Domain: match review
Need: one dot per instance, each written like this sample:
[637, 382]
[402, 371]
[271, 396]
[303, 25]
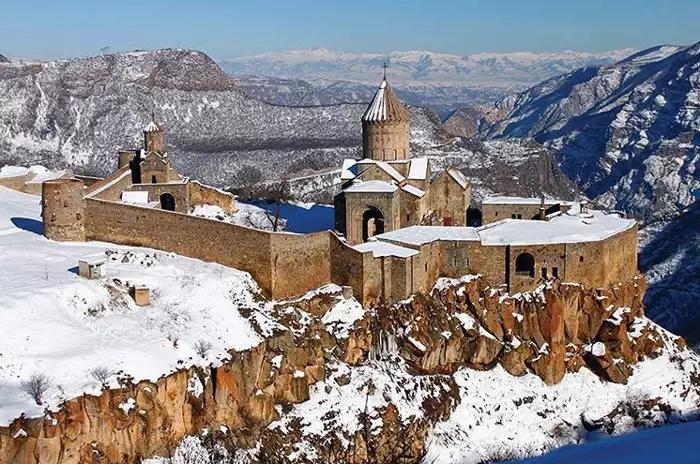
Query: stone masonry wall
[235, 246]
[179, 191]
[204, 195]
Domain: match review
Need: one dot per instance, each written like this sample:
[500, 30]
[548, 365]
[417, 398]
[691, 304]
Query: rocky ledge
[333, 382]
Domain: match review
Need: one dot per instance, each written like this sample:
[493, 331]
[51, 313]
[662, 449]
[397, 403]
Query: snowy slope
[78, 113]
[64, 326]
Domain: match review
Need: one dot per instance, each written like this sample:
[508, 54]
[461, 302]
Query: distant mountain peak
[419, 67]
[3, 59]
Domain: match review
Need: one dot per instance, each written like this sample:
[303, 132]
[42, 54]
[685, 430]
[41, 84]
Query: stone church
[388, 189]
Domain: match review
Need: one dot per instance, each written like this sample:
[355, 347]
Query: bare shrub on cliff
[202, 348]
[101, 374]
[36, 387]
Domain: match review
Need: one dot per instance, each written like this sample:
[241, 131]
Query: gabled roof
[457, 175]
[371, 186]
[418, 169]
[385, 106]
[413, 190]
[352, 168]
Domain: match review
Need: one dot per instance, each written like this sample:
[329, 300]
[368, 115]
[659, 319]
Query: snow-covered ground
[295, 217]
[55, 323]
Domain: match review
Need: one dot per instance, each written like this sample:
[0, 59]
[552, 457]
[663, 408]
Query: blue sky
[59, 29]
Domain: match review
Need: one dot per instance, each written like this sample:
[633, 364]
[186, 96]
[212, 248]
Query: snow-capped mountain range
[439, 81]
[422, 68]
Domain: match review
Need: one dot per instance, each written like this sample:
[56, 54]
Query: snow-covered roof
[349, 169]
[373, 186]
[385, 106]
[40, 173]
[418, 170]
[137, 197]
[503, 200]
[151, 127]
[420, 235]
[564, 228]
[413, 190]
[386, 167]
[381, 249]
[457, 175]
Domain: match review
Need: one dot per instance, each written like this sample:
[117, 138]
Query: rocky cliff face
[326, 386]
[627, 134]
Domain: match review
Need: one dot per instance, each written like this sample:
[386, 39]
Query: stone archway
[474, 217]
[167, 202]
[372, 223]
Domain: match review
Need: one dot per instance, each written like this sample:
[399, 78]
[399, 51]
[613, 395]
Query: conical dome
[385, 106]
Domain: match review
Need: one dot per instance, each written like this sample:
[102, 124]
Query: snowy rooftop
[151, 127]
[381, 249]
[457, 175]
[420, 235]
[41, 173]
[563, 228]
[137, 197]
[413, 190]
[372, 186]
[502, 200]
[385, 106]
[418, 169]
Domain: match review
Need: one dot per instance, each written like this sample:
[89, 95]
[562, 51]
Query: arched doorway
[167, 202]
[525, 265]
[474, 217]
[372, 223]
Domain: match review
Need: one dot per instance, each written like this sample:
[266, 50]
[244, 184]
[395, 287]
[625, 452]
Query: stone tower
[63, 210]
[153, 139]
[386, 127]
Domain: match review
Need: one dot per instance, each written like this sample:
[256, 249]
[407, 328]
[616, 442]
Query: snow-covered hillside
[78, 113]
[65, 327]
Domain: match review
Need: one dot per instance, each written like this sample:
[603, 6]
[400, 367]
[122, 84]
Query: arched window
[167, 202]
[525, 264]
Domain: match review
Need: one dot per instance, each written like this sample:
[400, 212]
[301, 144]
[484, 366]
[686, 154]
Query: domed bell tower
[153, 139]
[386, 126]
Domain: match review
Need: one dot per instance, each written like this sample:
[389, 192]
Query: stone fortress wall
[286, 265]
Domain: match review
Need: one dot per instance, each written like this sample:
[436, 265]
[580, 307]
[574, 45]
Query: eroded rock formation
[562, 327]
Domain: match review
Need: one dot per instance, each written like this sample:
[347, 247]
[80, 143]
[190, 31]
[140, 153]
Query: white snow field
[55, 323]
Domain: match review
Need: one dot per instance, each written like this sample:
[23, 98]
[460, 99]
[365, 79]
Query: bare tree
[202, 347]
[101, 374]
[36, 387]
[247, 181]
[275, 194]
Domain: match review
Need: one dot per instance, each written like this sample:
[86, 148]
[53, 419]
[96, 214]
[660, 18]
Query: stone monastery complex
[398, 227]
